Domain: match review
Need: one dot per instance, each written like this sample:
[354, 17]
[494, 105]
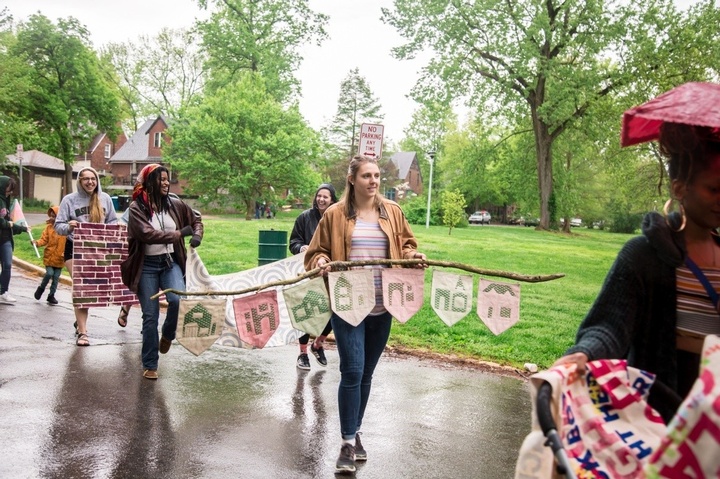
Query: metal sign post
[19, 155]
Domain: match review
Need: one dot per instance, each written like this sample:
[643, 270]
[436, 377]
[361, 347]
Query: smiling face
[164, 183]
[323, 199]
[701, 196]
[88, 181]
[366, 181]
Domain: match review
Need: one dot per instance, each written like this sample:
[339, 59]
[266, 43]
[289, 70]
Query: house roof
[403, 160]
[136, 148]
[38, 159]
[96, 141]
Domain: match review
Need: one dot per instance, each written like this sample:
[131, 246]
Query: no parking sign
[371, 140]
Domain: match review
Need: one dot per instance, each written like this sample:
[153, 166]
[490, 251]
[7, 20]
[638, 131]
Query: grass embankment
[550, 312]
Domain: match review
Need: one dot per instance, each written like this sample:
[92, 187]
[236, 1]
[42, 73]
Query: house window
[157, 140]
[108, 150]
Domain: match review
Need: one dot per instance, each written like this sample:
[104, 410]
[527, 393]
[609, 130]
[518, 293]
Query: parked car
[479, 217]
[532, 221]
[517, 220]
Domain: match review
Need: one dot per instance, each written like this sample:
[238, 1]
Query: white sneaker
[6, 298]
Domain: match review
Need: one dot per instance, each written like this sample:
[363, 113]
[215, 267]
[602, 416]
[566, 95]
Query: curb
[38, 271]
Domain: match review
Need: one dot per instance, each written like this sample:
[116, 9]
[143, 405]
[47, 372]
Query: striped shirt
[369, 242]
[695, 311]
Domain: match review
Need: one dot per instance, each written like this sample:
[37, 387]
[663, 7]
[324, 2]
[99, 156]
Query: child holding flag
[8, 229]
[53, 257]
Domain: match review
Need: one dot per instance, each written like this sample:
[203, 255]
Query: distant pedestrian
[363, 225]
[7, 230]
[302, 233]
[53, 256]
[157, 227]
[89, 204]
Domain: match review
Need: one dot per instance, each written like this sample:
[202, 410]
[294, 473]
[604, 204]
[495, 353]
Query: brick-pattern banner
[98, 251]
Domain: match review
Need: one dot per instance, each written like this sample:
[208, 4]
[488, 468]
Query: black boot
[39, 292]
[51, 299]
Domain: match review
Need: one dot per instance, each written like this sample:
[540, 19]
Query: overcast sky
[357, 39]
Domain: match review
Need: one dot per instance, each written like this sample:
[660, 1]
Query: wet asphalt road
[73, 412]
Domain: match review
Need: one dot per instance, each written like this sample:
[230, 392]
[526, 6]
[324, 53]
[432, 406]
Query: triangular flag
[16, 213]
[352, 294]
[498, 305]
[257, 317]
[403, 290]
[308, 306]
[200, 323]
[451, 296]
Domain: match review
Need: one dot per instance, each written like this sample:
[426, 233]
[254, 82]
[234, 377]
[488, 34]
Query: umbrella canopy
[691, 104]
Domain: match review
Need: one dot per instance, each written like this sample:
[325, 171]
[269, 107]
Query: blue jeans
[53, 273]
[6, 253]
[359, 348]
[155, 277]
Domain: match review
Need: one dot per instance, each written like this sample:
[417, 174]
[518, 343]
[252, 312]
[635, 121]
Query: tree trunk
[543, 152]
[67, 180]
[249, 209]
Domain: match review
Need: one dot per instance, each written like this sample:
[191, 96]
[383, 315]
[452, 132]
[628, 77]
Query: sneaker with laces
[319, 354]
[360, 452]
[6, 298]
[303, 362]
[346, 460]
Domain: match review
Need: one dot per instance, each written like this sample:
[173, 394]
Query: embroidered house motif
[451, 296]
[498, 305]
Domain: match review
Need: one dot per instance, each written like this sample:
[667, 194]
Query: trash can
[272, 246]
[116, 203]
[123, 202]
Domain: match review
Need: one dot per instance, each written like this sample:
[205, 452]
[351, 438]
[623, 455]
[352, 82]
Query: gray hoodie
[76, 206]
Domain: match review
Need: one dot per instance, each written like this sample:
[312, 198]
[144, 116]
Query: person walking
[8, 229]
[656, 305]
[363, 225]
[302, 233]
[88, 204]
[53, 257]
[157, 226]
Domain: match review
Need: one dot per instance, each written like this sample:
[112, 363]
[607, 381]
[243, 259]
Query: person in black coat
[302, 233]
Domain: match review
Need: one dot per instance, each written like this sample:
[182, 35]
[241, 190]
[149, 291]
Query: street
[73, 412]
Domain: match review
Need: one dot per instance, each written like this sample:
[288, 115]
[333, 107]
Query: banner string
[344, 265]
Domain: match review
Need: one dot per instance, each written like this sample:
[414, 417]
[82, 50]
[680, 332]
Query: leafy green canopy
[239, 144]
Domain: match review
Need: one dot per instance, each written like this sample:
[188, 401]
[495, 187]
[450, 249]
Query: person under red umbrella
[659, 299]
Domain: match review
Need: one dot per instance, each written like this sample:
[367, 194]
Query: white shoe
[6, 298]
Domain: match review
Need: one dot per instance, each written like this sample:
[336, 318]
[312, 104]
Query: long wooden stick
[344, 265]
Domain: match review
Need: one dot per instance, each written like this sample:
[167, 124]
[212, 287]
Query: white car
[479, 217]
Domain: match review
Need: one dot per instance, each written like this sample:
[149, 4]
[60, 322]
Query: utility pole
[431, 155]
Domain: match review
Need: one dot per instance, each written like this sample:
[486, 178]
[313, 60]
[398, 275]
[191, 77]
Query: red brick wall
[98, 251]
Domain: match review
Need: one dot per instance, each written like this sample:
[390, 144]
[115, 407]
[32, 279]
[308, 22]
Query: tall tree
[356, 105]
[261, 36]
[70, 100]
[547, 61]
[239, 143]
[158, 75]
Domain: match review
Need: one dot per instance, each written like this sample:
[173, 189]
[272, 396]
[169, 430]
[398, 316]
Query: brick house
[142, 148]
[99, 152]
[409, 177]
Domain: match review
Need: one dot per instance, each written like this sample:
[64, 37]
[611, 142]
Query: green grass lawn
[550, 312]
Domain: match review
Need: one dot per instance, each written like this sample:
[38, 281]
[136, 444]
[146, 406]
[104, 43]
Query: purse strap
[703, 280]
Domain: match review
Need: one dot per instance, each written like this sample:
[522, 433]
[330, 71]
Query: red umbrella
[691, 104]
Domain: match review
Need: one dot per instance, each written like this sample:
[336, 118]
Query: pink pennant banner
[257, 317]
[498, 305]
[403, 290]
[352, 294]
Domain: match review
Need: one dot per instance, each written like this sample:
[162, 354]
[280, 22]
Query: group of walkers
[658, 302]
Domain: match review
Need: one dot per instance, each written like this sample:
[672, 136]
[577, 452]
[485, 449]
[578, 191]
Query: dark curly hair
[688, 149]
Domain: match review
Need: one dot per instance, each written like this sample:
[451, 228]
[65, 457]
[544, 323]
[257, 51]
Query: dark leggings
[305, 338]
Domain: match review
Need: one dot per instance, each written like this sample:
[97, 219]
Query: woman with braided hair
[157, 226]
[654, 309]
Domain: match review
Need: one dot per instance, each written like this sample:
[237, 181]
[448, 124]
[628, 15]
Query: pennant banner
[257, 317]
[197, 278]
[498, 305]
[200, 323]
[403, 291]
[352, 294]
[16, 213]
[308, 306]
[451, 296]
